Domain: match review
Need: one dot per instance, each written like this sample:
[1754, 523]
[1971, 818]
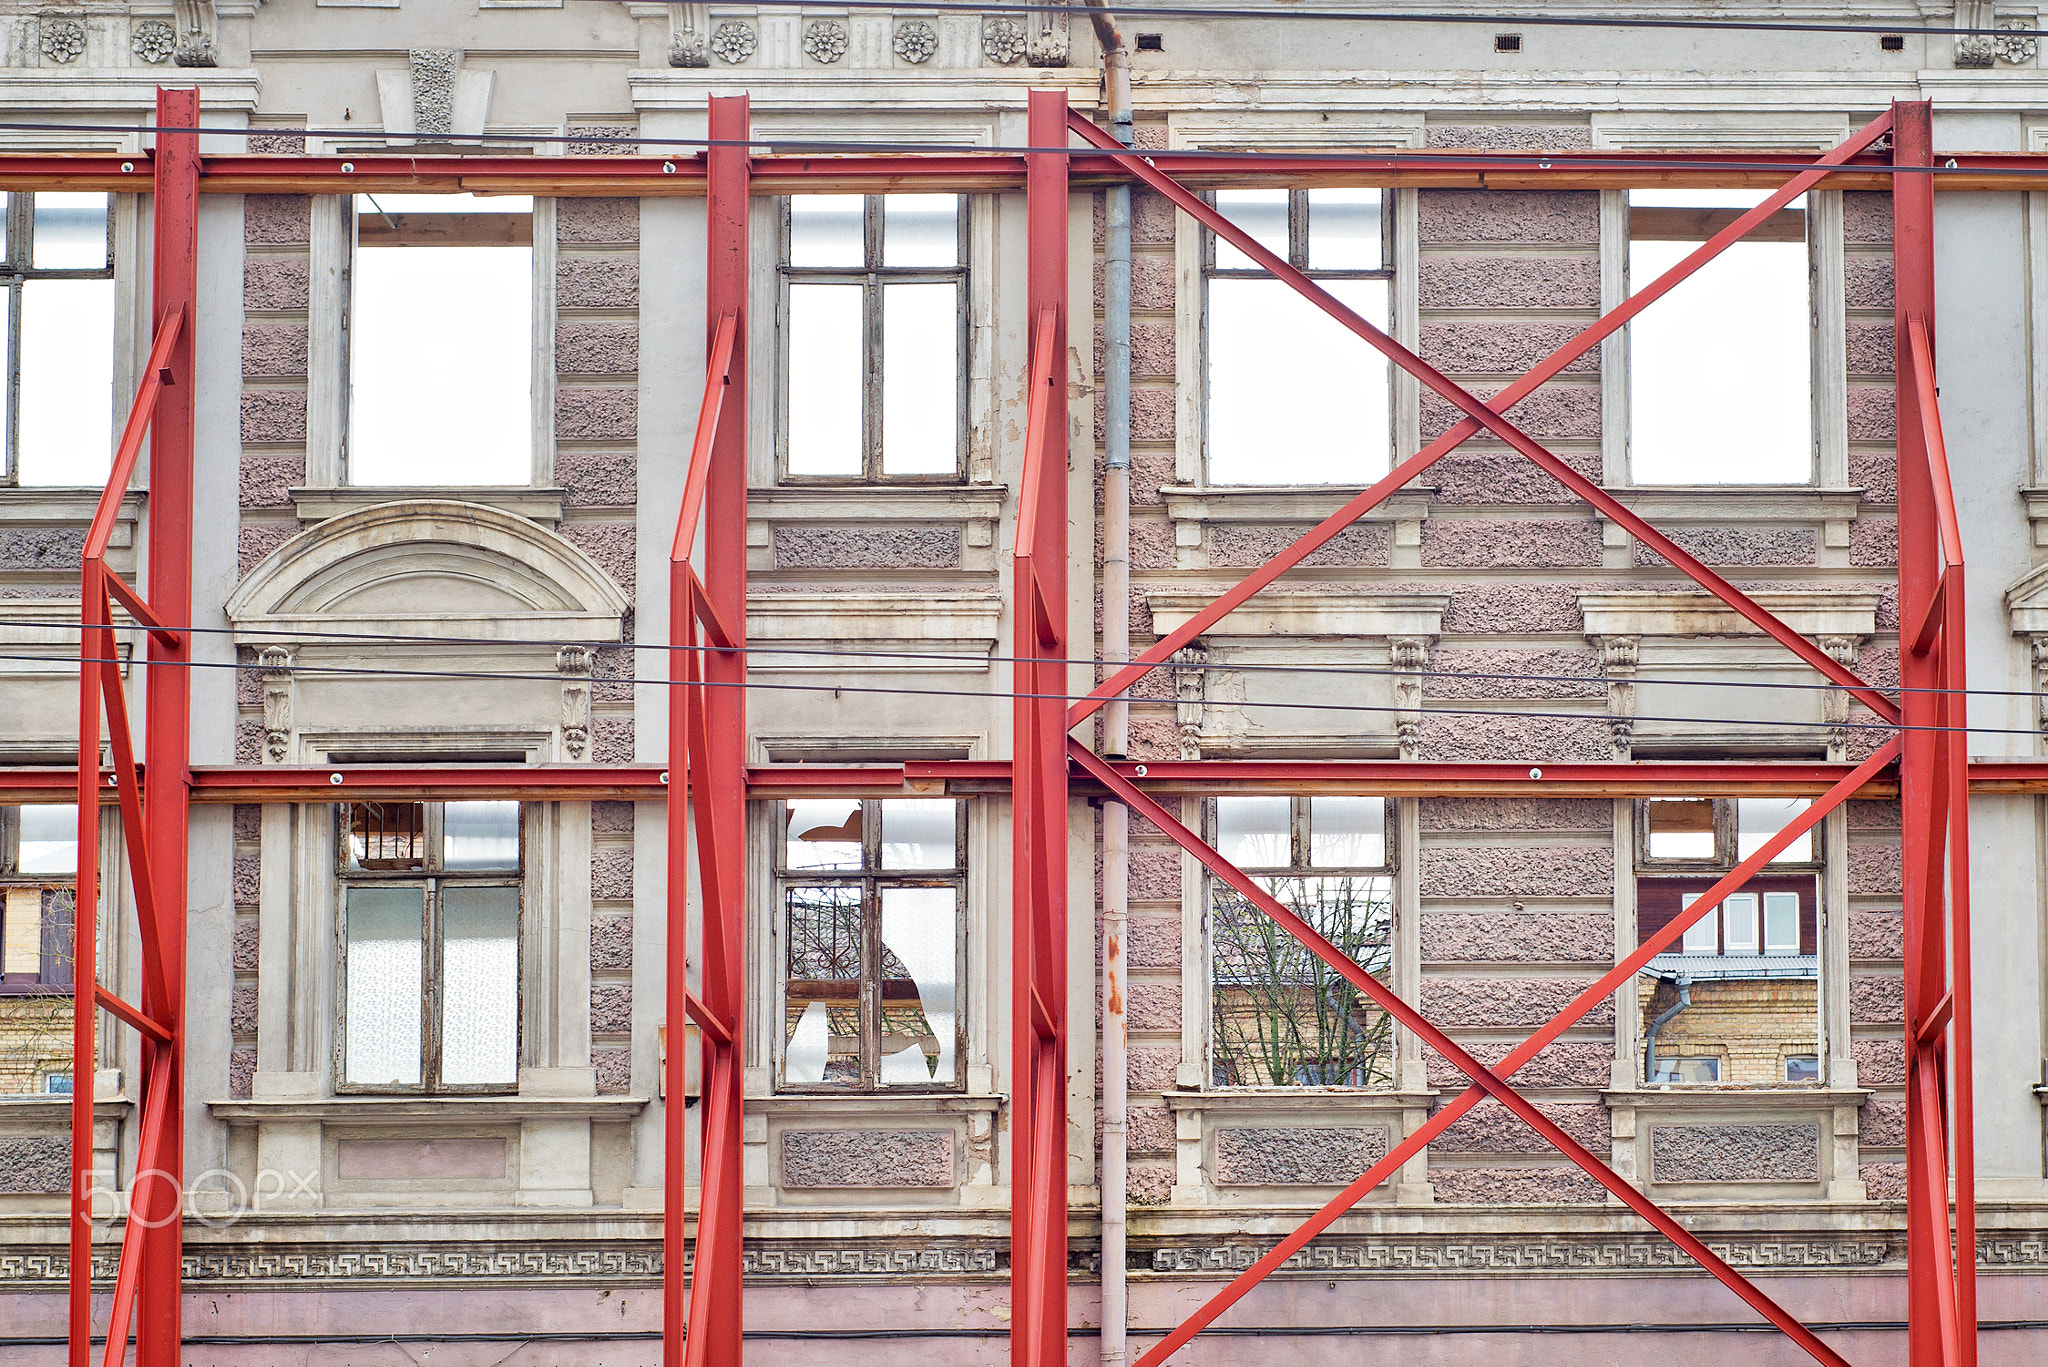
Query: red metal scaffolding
[707, 782]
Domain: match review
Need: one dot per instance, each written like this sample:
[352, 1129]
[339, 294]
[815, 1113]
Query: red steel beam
[707, 761]
[1481, 416]
[1038, 912]
[168, 708]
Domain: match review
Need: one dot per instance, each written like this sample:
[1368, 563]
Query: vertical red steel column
[92, 645]
[1932, 1329]
[719, 779]
[167, 747]
[1038, 1109]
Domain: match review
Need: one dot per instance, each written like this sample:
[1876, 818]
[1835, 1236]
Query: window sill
[319, 505]
[976, 509]
[70, 507]
[40, 1108]
[1719, 503]
[876, 1103]
[1734, 1097]
[1285, 502]
[430, 1109]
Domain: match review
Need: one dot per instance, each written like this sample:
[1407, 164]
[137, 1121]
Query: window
[1293, 397]
[440, 340]
[38, 872]
[430, 946]
[1721, 368]
[58, 269]
[874, 302]
[872, 896]
[1740, 990]
[1280, 1016]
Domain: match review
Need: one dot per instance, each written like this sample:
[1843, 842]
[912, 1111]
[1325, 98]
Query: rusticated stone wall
[1735, 1153]
[611, 944]
[1280, 1156]
[867, 1158]
[1876, 966]
[276, 294]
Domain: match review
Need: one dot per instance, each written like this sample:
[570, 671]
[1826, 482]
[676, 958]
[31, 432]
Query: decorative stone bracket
[1190, 686]
[689, 29]
[276, 664]
[574, 664]
[1618, 658]
[434, 99]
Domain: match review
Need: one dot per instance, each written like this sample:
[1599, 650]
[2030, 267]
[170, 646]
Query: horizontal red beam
[682, 173]
[1393, 778]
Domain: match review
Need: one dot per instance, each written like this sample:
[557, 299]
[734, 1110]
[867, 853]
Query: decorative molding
[1843, 650]
[1277, 613]
[916, 41]
[939, 630]
[316, 505]
[1694, 612]
[428, 1110]
[1520, 1257]
[733, 42]
[2015, 49]
[414, 568]
[1411, 657]
[276, 664]
[435, 98]
[575, 664]
[825, 41]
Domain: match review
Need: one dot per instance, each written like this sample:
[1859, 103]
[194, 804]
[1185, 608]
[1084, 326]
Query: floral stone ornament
[1002, 41]
[734, 42]
[825, 41]
[63, 40]
[916, 41]
[153, 41]
[2013, 46]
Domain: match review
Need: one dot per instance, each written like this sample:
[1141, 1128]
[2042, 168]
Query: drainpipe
[1116, 647]
[1684, 985]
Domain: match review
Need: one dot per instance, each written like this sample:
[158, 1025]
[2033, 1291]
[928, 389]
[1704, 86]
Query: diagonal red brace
[1479, 415]
[1486, 1081]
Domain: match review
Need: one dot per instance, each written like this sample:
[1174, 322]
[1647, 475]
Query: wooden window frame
[53, 975]
[17, 268]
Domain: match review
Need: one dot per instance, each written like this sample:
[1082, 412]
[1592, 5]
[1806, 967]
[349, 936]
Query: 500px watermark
[216, 1198]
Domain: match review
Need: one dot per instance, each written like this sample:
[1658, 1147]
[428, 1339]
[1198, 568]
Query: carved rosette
[153, 41]
[2013, 46]
[825, 41]
[1003, 41]
[63, 40]
[276, 664]
[1618, 658]
[1409, 656]
[916, 41]
[574, 664]
[733, 42]
[1190, 694]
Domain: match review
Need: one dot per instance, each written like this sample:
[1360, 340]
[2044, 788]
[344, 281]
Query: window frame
[430, 879]
[1724, 857]
[330, 457]
[872, 276]
[1824, 251]
[870, 878]
[1298, 257]
[17, 268]
[53, 976]
[1300, 865]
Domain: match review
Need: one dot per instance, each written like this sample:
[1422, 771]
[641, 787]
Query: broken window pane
[825, 376]
[918, 833]
[66, 364]
[1283, 1017]
[1344, 230]
[920, 956]
[49, 840]
[1294, 397]
[480, 835]
[920, 230]
[824, 833]
[920, 374]
[822, 987]
[1720, 368]
[385, 836]
[384, 941]
[826, 230]
[480, 981]
[441, 340]
[1263, 215]
[1757, 819]
[1255, 832]
[1347, 832]
[1682, 828]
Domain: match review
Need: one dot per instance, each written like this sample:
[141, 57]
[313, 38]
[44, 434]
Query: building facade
[441, 445]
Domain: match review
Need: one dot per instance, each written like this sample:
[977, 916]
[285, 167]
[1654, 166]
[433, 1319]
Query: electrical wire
[998, 694]
[1602, 680]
